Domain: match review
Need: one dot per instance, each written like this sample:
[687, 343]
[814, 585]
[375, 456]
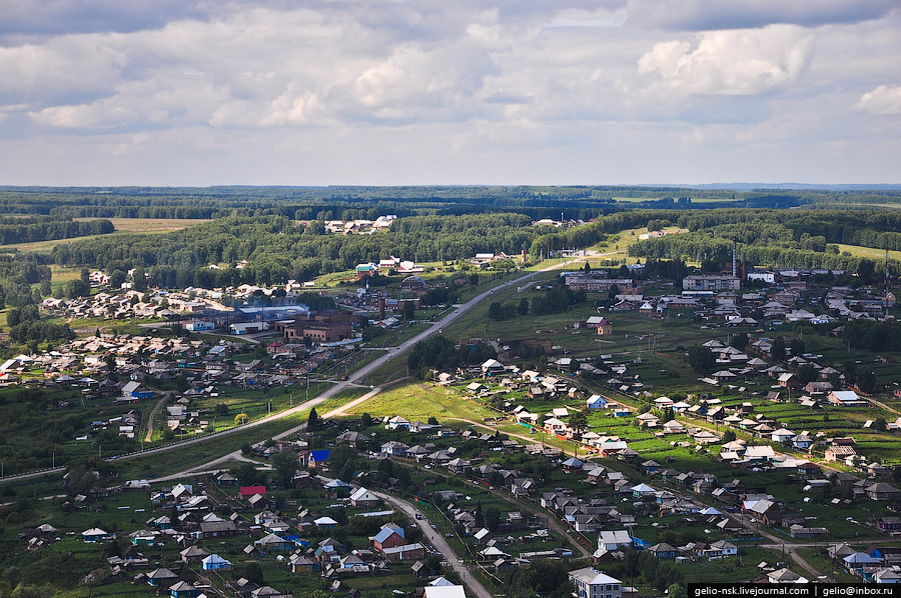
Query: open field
[151, 225]
[123, 226]
[869, 252]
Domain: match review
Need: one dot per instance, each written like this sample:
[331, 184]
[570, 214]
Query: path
[152, 416]
[440, 544]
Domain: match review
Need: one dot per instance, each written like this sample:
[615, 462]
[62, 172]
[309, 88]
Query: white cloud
[882, 100]
[734, 62]
[567, 89]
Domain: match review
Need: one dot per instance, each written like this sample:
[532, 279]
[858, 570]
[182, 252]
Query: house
[719, 549]
[135, 390]
[390, 536]
[406, 552]
[839, 453]
[888, 524]
[802, 442]
[274, 542]
[193, 554]
[161, 577]
[214, 562]
[247, 491]
[604, 327]
[96, 534]
[614, 540]
[363, 498]
[393, 448]
[663, 551]
[785, 576]
[217, 529]
[782, 435]
[492, 367]
[881, 491]
[846, 398]
[760, 453]
[766, 510]
[183, 589]
[596, 402]
[591, 583]
[303, 564]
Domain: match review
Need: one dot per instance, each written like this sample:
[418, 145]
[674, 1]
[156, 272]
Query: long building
[711, 282]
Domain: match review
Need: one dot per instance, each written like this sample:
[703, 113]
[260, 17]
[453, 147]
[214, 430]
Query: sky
[421, 92]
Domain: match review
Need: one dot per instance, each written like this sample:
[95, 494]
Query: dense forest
[788, 238]
[307, 203]
[31, 229]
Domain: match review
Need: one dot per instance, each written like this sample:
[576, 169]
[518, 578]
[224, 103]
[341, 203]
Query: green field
[123, 226]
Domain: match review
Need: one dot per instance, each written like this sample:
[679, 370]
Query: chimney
[734, 268]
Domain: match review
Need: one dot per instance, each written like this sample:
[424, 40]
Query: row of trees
[279, 250]
[557, 300]
[46, 228]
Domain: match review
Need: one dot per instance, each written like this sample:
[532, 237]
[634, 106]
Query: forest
[31, 229]
[323, 203]
[787, 238]
[279, 249]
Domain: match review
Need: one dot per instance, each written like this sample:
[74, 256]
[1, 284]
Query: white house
[591, 583]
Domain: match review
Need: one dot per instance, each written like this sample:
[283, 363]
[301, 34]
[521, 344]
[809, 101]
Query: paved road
[353, 380]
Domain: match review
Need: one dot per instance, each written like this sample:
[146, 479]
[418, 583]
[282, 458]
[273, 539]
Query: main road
[353, 380]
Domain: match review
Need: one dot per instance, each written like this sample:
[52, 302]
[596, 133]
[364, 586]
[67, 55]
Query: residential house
[591, 583]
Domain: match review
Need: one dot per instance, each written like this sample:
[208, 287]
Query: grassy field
[421, 401]
[123, 226]
[869, 252]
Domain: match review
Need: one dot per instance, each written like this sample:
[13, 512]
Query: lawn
[418, 400]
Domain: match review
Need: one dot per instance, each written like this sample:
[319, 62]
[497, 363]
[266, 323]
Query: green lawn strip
[167, 462]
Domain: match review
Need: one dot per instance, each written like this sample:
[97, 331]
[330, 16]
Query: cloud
[701, 15]
[734, 62]
[474, 91]
[63, 68]
[882, 100]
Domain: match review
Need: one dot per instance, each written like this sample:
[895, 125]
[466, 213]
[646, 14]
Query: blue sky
[199, 92]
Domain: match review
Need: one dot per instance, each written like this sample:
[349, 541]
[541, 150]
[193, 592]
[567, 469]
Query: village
[598, 455]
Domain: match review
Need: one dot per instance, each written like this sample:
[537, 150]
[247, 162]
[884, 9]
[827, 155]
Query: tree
[880, 424]
[701, 359]
[777, 349]
[492, 518]
[366, 420]
[578, 421]
[523, 308]
[240, 419]
[409, 310]
[798, 348]
[313, 422]
[496, 311]
[254, 573]
[285, 464]
[740, 340]
[807, 373]
[866, 381]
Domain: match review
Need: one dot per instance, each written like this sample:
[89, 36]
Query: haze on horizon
[396, 92]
